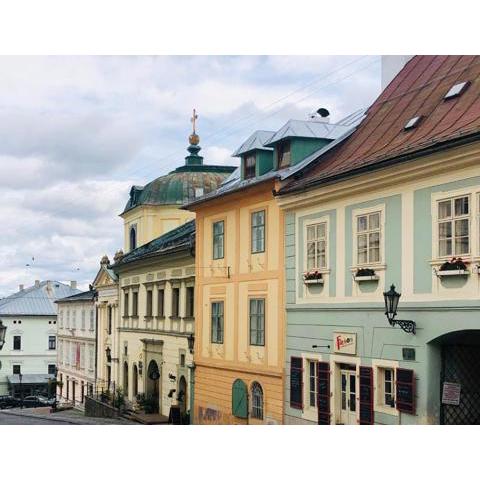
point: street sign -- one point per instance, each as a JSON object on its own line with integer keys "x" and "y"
{"x": 451, "y": 393}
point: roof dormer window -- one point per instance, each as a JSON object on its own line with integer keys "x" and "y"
{"x": 283, "y": 154}
{"x": 250, "y": 162}
{"x": 456, "y": 90}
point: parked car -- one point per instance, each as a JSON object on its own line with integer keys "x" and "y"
{"x": 36, "y": 401}
{"x": 7, "y": 401}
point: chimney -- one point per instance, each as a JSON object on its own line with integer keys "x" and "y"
{"x": 73, "y": 284}
{"x": 37, "y": 283}
{"x": 391, "y": 66}
{"x": 20, "y": 287}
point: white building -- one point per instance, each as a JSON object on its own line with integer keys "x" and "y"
{"x": 30, "y": 349}
{"x": 76, "y": 347}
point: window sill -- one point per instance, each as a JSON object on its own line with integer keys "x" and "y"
{"x": 160, "y": 317}
{"x": 174, "y": 317}
{"x": 189, "y": 318}
{"x": 386, "y": 410}
{"x": 315, "y": 281}
{"x": 448, "y": 273}
{"x": 370, "y": 278}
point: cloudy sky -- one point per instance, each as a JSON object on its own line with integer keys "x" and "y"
{"x": 76, "y": 132}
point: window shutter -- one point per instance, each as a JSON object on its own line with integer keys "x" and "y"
{"x": 296, "y": 382}
{"x": 366, "y": 396}
{"x": 405, "y": 390}
{"x": 239, "y": 399}
{"x": 323, "y": 393}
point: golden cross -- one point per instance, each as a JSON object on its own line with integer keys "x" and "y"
{"x": 194, "y": 117}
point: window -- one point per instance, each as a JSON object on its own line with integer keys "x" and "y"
{"x": 283, "y": 154}
{"x": 74, "y": 319}
{"x": 312, "y": 383}
{"x": 60, "y": 351}
{"x": 90, "y": 357}
{"x": 387, "y": 386}
{"x": 368, "y": 238}
{"x": 257, "y": 401}
{"x": 52, "y": 342}
{"x": 73, "y": 354}
{"x": 60, "y": 318}
{"x": 83, "y": 319}
{"x": 125, "y": 305}
{"x": 68, "y": 319}
{"x": 217, "y": 322}
{"x": 316, "y": 246}
{"x": 149, "y": 303}
{"x": 17, "y": 342}
{"x": 257, "y": 321}
{"x": 109, "y": 319}
{"x": 17, "y": 369}
{"x": 454, "y": 226}
{"x": 175, "y": 301}
{"x": 92, "y": 319}
{"x": 258, "y": 231}
{"x": 218, "y": 238}
{"x": 182, "y": 359}
{"x": 82, "y": 356}
{"x": 135, "y": 304}
{"x": 125, "y": 348}
{"x": 190, "y": 301}
{"x": 250, "y": 164}
{"x": 161, "y": 303}
{"x": 133, "y": 237}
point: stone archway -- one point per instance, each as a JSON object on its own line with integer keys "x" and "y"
{"x": 152, "y": 390}
{"x": 182, "y": 394}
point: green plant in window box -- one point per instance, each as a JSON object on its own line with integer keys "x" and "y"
{"x": 312, "y": 276}
{"x": 456, "y": 263}
{"x": 365, "y": 272}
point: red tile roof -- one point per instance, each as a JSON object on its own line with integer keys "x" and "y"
{"x": 418, "y": 90}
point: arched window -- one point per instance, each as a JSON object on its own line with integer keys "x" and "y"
{"x": 133, "y": 237}
{"x": 257, "y": 401}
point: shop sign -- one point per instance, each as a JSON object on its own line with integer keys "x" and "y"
{"x": 345, "y": 343}
{"x": 451, "y": 393}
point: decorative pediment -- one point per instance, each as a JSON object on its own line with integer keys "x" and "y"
{"x": 105, "y": 278}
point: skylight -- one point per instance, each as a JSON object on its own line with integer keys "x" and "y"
{"x": 412, "y": 123}
{"x": 456, "y": 90}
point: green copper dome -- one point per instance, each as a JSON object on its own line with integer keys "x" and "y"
{"x": 182, "y": 185}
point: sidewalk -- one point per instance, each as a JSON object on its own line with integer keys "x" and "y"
{"x": 69, "y": 417}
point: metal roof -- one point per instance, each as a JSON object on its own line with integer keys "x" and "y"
{"x": 78, "y": 297}
{"x": 308, "y": 129}
{"x": 182, "y": 236}
{"x": 36, "y": 300}
{"x": 418, "y": 90}
{"x": 256, "y": 141}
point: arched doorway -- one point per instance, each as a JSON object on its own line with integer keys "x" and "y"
{"x": 125, "y": 379}
{"x": 460, "y": 377}
{"x": 182, "y": 394}
{"x": 135, "y": 381}
{"x": 152, "y": 393}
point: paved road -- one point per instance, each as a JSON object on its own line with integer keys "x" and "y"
{"x": 6, "y": 419}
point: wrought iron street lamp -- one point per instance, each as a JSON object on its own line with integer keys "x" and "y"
{"x": 191, "y": 342}
{"x": 3, "y": 331}
{"x": 391, "y": 304}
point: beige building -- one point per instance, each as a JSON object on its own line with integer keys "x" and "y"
{"x": 76, "y": 347}
{"x": 106, "y": 304}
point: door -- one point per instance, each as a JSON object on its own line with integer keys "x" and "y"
{"x": 348, "y": 401}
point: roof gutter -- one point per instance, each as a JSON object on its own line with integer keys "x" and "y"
{"x": 458, "y": 142}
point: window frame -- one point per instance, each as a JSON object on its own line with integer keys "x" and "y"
{"x": 253, "y": 228}
{"x": 215, "y": 323}
{"x": 257, "y": 411}
{"x": 314, "y": 222}
{"x": 189, "y": 301}
{"x": 52, "y": 342}
{"x": 161, "y": 304}
{"x": 258, "y": 316}
{"x": 15, "y": 339}
{"x": 452, "y": 219}
{"x": 135, "y": 303}
{"x": 175, "y": 313}
{"x": 380, "y": 209}
{"x": 149, "y": 302}
{"x": 214, "y": 238}
{"x": 247, "y": 170}
{"x": 280, "y": 151}
{"x": 379, "y": 366}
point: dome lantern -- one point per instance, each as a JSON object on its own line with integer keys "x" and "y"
{"x": 194, "y": 158}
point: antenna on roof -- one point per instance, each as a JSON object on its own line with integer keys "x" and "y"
{"x": 320, "y": 115}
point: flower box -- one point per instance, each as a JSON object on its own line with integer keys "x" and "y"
{"x": 447, "y": 273}
{"x": 313, "y": 277}
{"x": 365, "y": 278}
{"x": 314, "y": 281}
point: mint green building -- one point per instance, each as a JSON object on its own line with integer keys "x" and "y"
{"x": 397, "y": 202}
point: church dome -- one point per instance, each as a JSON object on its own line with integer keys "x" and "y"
{"x": 182, "y": 185}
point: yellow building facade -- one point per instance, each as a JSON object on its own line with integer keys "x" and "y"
{"x": 242, "y": 284}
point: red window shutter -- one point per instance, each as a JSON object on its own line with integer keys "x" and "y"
{"x": 405, "y": 390}
{"x": 296, "y": 382}
{"x": 366, "y": 396}
{"x": 323, "y": 393}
